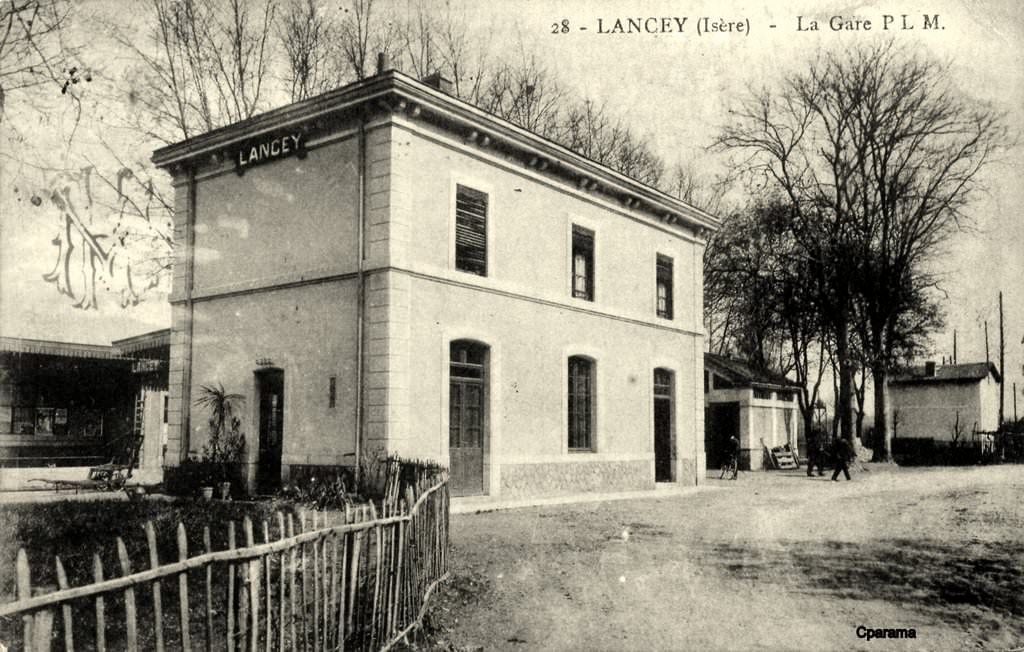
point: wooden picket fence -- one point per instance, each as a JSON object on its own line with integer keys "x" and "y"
{"x": 360, "y": 584}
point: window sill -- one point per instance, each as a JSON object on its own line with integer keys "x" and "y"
{"x": 574, "y": 451}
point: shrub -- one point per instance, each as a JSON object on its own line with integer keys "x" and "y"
{"x": 381, "y": 477}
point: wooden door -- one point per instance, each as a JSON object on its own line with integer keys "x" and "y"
{"x": 467, "y": 418}
{"x": 271, "y": 401}
{"x": 663, "y": 425}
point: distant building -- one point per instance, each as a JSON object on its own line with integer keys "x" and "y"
{"x": 387, "y": 268}
{"x": 65, "y": 407}
{"x": 943, "y": 402}
{"x": 758, "y": 407}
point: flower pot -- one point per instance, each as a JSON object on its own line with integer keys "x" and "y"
{"x": 224, "y": 490}
{"x": 206, "y": 493}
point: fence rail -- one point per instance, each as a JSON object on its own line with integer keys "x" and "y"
{"x": 356, "y": 585}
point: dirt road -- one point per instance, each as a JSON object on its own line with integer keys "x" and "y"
{"x": 773, "y": 561}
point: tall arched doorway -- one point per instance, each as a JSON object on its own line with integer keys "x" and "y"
{"x": 468, "y": 444}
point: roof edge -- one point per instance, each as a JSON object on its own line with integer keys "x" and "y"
{"x": 393, "y": 82}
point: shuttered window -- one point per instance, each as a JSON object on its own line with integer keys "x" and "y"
{"x": 471, "y": 230}
{"x": 581, "y": 404}
{"x": 582, "y": 263}
{"x": 664, "y": 281}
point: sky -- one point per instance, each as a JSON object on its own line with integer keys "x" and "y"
{"x": 675, "y": 87}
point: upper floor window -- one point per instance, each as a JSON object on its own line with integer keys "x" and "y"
{"x": 581, "y": 404}
{"x": 471, "y": 230}
{"x": 765, "y": 394}
{"x": 582, "y": 263}
{"x": 664, "y": 284}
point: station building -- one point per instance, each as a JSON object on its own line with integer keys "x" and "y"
{"x": 386, "y": 268}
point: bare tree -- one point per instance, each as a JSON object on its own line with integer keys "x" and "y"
{"x": 526, "y": 94}
{"x": 755, "y": 289}
{"x": 877, "y": 155}
{"x": 207, "y": 65}
{"x": 307, "y": 37}
{"x": 590, "y": 129}
{"x": 685, "y": 181}
{"x": 34, "y": 52}
{"x": 920, "y": 146}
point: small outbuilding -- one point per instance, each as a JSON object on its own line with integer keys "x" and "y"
{"x": 944, "y": 403}
{"x": 65, "y": 407}
{"x": 758, "y": 407}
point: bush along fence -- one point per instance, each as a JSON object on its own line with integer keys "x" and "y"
{"x": 295, "y": 584}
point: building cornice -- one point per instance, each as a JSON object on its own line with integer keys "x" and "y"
{"x": 395, "y": 92}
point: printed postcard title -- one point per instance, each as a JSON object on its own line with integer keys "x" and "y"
{"x": 710, "y": 25}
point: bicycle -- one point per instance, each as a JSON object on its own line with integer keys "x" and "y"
{"x": 730, "y": 466}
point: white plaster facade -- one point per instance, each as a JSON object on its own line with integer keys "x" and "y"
{"x": 340, "y": 264}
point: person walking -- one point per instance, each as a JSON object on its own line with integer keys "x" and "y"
{"x": 843, "y": 454}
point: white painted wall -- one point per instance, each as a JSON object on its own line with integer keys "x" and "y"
{"x": 291, "y": 224}
{"x": 930, "y": 410}
{"x": 524, "y": 310}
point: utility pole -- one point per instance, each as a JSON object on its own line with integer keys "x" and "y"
{"x": 1015, "y": 402}
{"x": 954, "y": 347}
{"x": 986, "y": 342}
{"x": 1002, "y": 361}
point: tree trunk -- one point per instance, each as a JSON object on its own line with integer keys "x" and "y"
{"x": 883, "y": 434}
{"x": 843, "y": 402}
{"x": 859, "y": 392}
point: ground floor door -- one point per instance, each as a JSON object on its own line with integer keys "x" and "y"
{"x": 721, "y": 421}
{"x": 270, "y": 388}
{"x": 663, "y": 426}
{"x": 467, "y": 418}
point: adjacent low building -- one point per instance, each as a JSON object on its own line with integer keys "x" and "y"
{"x": 944, "y": 403}
{"x": 388, "y": 269}
{"x": 66, "y": 406}
{"x": 757, "y": 407}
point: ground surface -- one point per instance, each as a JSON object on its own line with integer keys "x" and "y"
{"x": 773, "y": 561}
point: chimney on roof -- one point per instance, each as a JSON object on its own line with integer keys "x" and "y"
{"x": 440, "y": 82}
{"x": 383, "y": 62}
{"x": 929, "y": 368}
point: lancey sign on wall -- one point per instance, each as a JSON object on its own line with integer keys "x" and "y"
{"x": 269, "y": 148}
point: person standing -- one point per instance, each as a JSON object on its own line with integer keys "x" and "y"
{"x": 843, "y": 456}
{"x": 815, "y": 452}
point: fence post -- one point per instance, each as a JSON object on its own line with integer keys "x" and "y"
{"x": 316, "y": 583}
{"x": 131, "y": 630}
{"x": 303, "y": 559}
{"x": 208, "y": 548}
{"x": 62, "y": 583}
{"x": 254, "y": 588}
{"x": 270, "y": 589}
{"x": 158, "y": 611}
{"x": 186, "y": 636}
{"x": 24, "y": 580}
{"x": 101, "y": 622}
{"x": 281, "y": 535}
{"x": 230, "y": 625}
{"x": 291, "y": 580}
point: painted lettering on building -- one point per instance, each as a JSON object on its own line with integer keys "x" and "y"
{"x": 269, "y": 149}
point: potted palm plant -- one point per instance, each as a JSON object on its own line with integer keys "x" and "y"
{"x": 223, "y": 452}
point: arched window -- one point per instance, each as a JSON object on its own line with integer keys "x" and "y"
{"x": 581, "y": 403}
